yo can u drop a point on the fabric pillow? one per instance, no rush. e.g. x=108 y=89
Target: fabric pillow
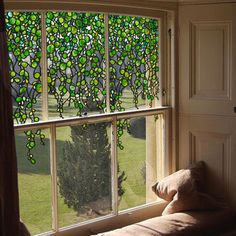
x=185 y=180
x=184 y=190
x=191 y=201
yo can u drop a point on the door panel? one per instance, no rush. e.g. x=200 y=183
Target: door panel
x=207 y=93
x=207 y=59
x=213 y=140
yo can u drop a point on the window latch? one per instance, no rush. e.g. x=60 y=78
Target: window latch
x=163 y=92
x=169 y=33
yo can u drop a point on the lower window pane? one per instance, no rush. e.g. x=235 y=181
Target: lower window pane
x=84 y=172
x=34 y=181
x=137 y=157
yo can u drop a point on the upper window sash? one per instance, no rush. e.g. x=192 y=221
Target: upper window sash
x=45 y=59
x=46 y=49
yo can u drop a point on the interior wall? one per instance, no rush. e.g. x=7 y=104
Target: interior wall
x=207 y=93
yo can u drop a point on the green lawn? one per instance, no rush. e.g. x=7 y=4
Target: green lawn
x=35 y=181
x=131 y=160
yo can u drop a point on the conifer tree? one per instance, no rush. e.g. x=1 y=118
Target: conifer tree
x=84 y=171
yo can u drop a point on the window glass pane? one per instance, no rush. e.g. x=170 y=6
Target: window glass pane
x=134 y=61
x=75 y=52
x=137 y=159
x=75 y=45
x=84 y=172
x=34 y=184
x=24 y=45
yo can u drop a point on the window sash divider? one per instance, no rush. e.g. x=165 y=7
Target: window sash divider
x=44 y=65
x=167 y=144
x=92 y=119
x=107 y=62
x=114 y=167
x=53 y=167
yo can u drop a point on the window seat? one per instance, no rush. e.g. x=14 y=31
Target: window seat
x=213 y=222
x=190 y=210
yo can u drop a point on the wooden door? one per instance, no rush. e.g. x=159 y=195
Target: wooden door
x=207 y=93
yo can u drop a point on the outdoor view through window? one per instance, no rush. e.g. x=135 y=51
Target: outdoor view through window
x=74 y=77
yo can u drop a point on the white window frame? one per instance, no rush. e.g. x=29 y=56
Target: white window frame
x=164 y=107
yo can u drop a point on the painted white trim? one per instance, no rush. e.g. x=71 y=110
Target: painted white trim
x=107 y=62
x=53 y=164
x=44 y=68
x=92 y=118
x=112 y=221
x=114 y=167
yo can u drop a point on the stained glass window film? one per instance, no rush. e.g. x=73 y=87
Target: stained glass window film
x=24 y=45
x=75 y=52
x=134 y=61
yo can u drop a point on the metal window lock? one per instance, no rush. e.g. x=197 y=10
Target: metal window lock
x=163 y=92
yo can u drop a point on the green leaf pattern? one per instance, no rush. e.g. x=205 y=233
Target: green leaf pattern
x=133 y=45
x=75 y=45
x=75 y=52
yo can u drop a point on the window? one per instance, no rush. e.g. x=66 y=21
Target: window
x=90 y=128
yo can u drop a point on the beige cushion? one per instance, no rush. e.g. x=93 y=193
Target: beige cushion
x=192 y=201
x=185 y=180
x=202 y=223
x=184 y=190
